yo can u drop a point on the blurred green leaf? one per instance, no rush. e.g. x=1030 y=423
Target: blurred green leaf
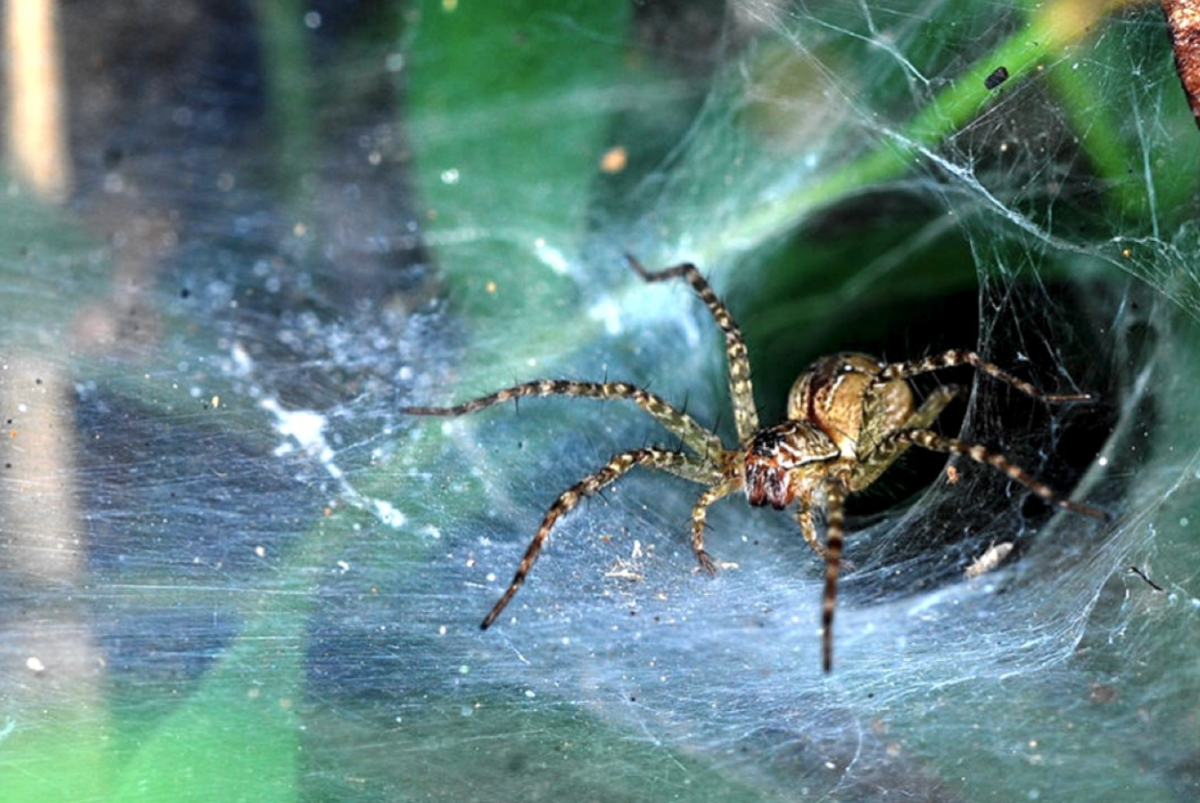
x=63 y=757
x=508 y=105
x=236 y=738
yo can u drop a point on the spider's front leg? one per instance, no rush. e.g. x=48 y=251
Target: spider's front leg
x=741 y=391
x=720 y=489
x=808 y=528
x=679 y=423
x=677 y=463
x=835 y=526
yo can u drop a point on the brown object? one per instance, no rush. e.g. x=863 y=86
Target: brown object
x=849 y=417
x=1183 y=19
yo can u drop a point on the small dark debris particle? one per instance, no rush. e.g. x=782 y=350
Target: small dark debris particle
x=185 y=293
x=998 y=76
x=1142 y=574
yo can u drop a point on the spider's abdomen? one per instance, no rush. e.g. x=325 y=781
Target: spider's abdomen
x=775 y=454
x=841 y=393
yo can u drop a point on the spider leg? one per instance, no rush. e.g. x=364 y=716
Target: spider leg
x=677 y=463
x=741 y=391
x=879 y=456
x=804 y=517
x=680 y=424
x=932 y=407
x=956 y=357
x=835 y=507
x=937 y=443
x=721 y=489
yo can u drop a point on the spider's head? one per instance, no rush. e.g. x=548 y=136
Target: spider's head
x=779 y=457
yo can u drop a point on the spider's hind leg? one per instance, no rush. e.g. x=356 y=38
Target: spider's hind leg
x=885 y=451
x=677 y=463
x=956 y=357
x=937 y=443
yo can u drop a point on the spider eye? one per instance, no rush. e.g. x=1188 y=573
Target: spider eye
x=790 y=445
x=768 y=484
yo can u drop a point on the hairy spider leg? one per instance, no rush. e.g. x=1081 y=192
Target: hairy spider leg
x=678 y=463
x=957 y=357
x=680 y=424
x=937 y=443
x=808 y=528
x=881 y=458
x=878 y=457
x=745 y=413
x=877 y=460
x=835 y=523
x=720 y=488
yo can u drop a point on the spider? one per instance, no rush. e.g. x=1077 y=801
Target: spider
x=849 y=417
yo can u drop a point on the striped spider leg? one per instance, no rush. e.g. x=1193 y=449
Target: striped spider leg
x=867 y=408
x=703 y=458
x=850 y=416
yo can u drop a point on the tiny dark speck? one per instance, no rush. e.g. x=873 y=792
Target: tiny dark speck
x=998 y=76
x=185 y=293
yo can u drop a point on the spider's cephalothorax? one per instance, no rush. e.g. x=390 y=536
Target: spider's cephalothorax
x=778 y=459
x=849 y=417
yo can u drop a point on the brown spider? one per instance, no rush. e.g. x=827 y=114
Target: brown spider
x=849 y=417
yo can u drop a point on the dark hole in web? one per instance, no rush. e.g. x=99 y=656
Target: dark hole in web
x=937 y=514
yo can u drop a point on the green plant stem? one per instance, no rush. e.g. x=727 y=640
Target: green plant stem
x=1049 y=31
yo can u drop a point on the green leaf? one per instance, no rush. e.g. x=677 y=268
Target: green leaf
x=61 y=756
x=508 y=110
x=235 y=739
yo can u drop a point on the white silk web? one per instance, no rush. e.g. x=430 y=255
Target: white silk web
x=944 y=684
x=258 y=532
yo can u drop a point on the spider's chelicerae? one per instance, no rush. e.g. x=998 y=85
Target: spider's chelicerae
x=849 y=417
